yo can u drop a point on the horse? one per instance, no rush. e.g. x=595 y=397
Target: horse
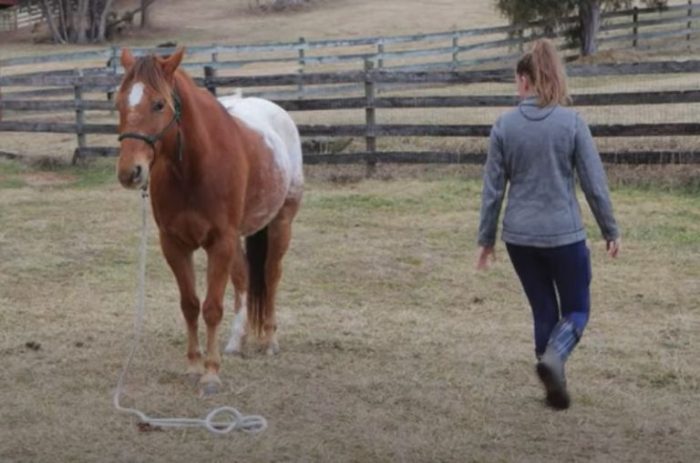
x=223 y=175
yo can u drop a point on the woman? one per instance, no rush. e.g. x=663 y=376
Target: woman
x=536 y=148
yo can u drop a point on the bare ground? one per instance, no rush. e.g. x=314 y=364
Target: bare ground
x=393 y=349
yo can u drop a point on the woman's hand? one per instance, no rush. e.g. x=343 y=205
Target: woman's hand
x=613 y=247
x=486 y=255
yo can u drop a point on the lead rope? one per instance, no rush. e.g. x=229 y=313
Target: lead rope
x=221 y=420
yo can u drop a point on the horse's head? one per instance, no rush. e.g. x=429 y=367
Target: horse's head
x=148 y=112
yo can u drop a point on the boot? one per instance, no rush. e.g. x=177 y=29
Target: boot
x=550 y=367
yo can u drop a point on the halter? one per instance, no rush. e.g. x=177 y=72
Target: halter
x=151 y=140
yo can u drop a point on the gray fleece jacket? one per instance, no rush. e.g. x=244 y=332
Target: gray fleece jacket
x=536 y=151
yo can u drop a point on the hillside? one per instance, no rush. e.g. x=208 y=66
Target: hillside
x=233 y=21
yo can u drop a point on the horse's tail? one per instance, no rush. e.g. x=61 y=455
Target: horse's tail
x=258 y=307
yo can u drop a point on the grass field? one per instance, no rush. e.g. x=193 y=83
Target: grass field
x=393 y=349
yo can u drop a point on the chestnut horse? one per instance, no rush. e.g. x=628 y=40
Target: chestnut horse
x=219 y=171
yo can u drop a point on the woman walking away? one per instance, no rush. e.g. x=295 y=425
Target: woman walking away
x=536 y=148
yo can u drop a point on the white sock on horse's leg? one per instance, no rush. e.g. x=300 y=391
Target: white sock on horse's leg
x=238 y=329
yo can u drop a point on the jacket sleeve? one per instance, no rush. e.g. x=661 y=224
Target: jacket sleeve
x=594 y=182
x=493 y=189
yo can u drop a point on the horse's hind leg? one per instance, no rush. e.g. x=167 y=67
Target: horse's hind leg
x=180 y=262
x=239 y=327
x=279 y=235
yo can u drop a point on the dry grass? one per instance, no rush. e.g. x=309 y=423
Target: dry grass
x=393 y=349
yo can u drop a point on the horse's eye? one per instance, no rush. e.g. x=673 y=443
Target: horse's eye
x=158 y=106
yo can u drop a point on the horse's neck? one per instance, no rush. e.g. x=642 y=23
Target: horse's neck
x=201 y=114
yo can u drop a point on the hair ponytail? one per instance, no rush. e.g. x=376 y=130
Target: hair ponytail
x=543 y=66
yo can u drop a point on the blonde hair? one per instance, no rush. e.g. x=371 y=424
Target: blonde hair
x=543 y=66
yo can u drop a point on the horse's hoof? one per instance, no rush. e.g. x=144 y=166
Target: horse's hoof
x=210 y=389
x=209 y=384
x=272 y=349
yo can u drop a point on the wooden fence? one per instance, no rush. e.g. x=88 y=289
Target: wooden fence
x=450 y=50
x=371 y=103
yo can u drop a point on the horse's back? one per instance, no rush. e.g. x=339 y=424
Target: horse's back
x=277 y=128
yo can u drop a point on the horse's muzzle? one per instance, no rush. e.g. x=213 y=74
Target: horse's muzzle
x=136 y=177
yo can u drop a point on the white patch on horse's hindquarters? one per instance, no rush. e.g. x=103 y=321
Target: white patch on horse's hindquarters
x=278 y=131
x=238 y=328
x=135 y=94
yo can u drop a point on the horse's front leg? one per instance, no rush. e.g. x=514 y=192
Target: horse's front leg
x=180 y=261
x=219 y=261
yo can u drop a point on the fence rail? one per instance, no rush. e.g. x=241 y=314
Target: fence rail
x=93 y=80
x=440 y=157
x=332 y=104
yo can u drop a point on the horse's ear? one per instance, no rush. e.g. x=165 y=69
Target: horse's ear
x=127 y=59
x=172 y=62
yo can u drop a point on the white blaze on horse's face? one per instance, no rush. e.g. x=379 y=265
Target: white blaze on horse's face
x=135 y=94
x=133 y=166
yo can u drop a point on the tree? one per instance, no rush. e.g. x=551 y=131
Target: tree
x=554 y=16
x=76 y=21
x=145 y=18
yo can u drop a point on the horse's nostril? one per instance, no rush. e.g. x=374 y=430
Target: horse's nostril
x=136 y=173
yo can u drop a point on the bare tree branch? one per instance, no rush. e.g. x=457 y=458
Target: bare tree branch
x=145 y=19
x=82 y=21
x=103 y=21
x=46 y=9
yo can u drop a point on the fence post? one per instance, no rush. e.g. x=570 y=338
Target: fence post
x=112 y=67
x=690 y=15
x=521 y=40
x=113 y=59
x=302 y=63
x=210 y=73
x=0 y=97
x=79 y=115
x=370 y=119
x=380 y=54
x=635 y=29
x=455 y=50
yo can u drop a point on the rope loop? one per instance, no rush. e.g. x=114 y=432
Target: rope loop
x=250 y=424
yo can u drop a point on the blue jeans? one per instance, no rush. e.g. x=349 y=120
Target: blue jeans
x=547 y=272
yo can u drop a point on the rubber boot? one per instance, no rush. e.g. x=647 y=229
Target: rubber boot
x=550 y=367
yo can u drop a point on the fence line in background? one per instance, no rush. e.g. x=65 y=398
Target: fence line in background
x=371 y=102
